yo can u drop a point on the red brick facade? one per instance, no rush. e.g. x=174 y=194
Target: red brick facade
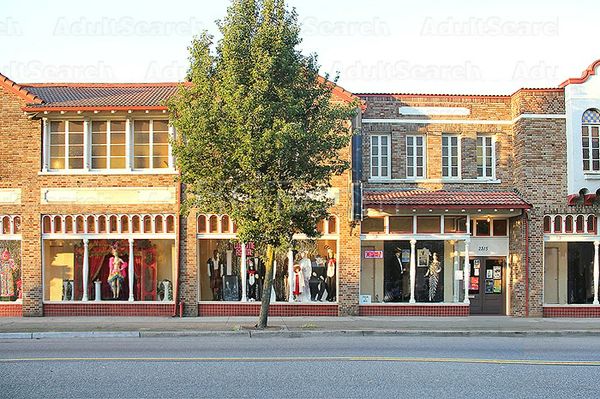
x=530 y=159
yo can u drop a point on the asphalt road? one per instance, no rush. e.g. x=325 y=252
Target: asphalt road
x=316 y=367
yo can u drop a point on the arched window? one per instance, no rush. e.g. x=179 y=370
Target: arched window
x=147 y=224
x=332 y=225
x=135 y=224
x=91 y=224
x=170 y=224
x=557 y=224
x=47 y=224
x=590 y=140
x=579 y=224
x=113 y=224
x=213 y=224
x=68 y=224
x=158 y=224
x=201 y=224
x=101 y=224
x=591 y=224
x=225 y=224
x=569 y=224
x=547 y=221
x=57 y=224
x=79 y=224
x=124 y=224
x=17 y=224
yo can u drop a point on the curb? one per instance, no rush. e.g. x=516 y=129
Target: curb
x=297 y=334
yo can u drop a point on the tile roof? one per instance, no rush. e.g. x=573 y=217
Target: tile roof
x=439 y=199
x=101 y=95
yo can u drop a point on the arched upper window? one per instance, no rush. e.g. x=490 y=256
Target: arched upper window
x=590 y=140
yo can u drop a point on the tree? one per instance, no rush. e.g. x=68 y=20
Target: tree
x=258 y=133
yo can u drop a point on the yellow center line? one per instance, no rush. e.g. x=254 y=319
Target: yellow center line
x=533 y=362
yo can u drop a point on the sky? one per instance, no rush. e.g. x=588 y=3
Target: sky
x=458 y=46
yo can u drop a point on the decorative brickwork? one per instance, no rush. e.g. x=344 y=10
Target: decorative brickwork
x=414 y=310
x=11 y=310
x=108 y=309
x=571 y=311
x=276 y=309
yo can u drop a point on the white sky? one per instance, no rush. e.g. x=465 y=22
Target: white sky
x=426 y=46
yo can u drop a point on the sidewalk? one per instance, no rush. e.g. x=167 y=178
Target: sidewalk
x=69 y=327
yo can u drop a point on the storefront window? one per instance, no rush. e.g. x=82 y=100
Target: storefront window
x=311 y=277
x=385 y=271
x=401 y=224
x=500 y=227
x=482 y=227
x=108 y=275
x=568 y=273
x=10 y=270
x=455 y=224
x=372 y=225
x=428 y=224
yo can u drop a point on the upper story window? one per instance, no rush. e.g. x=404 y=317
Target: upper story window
x=590 y=123
x=108 y=144
x=66 y=144
x=151 y=144
x=415 y=156
x=486 y=158
x=380 y=156
x=97 y=144
x=450 y=156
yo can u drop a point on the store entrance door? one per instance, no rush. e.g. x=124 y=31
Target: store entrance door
x=486 y=286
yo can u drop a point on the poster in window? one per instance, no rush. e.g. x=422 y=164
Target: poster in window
x=423 y=257
x=405 y=255
x=489 y=286
x=474 y=285
x=476 y=266
x=497 y=272
x=489 y=273
x=230 y=288
x=497 y=286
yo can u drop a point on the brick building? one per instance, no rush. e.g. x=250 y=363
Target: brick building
x=455 y=205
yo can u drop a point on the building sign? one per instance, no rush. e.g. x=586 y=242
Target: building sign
x=488 y=246
x=373 y=254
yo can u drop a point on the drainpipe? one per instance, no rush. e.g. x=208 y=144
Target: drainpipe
x=526 y=223
x=177 y=251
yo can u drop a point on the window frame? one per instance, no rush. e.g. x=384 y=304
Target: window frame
x=449 y=166
x=66 y=145
x=411 y=171
x=379 y=156
x=484 y=157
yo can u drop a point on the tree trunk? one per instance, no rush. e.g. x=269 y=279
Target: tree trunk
x=267 y=288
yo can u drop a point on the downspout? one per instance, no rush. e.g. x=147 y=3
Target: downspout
x=526 y=223
x=177 y=249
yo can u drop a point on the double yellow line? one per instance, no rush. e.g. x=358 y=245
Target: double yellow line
x=531 y=362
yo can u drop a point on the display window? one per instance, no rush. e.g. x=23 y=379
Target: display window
x=569 y=273
x=385 y=272
x=10 y=271
x=306 y=274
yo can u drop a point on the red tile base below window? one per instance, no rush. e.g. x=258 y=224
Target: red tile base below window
x=571 y=311
x=276 y=309
x=11 y=310
x=108 y=309
x=413 y=310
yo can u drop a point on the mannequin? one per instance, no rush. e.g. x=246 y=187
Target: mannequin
x=306 y=266
x=252 y=281
x=215 y=272
x=7 y=267
x=405 y=283
x=433 y=272
x=117 y=272
x=330 y=275
x=319 y=277
x=298 y=282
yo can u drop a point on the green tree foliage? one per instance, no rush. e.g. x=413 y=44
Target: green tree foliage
x=259 y=136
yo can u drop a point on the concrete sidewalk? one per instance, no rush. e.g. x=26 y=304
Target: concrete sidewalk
x=69 y=327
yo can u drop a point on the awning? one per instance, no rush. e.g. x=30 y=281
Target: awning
x=445 y=199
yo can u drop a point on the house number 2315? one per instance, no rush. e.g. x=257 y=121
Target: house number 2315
x=483 y=248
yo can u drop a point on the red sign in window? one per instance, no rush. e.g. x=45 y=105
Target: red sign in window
x=373 y=254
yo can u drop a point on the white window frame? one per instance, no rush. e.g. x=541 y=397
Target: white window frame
x=379 y=156
x=108 y=144
x=87 y=147
x=484 y=156
x=590 y=159
x=449 y=165
x=411 y=171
